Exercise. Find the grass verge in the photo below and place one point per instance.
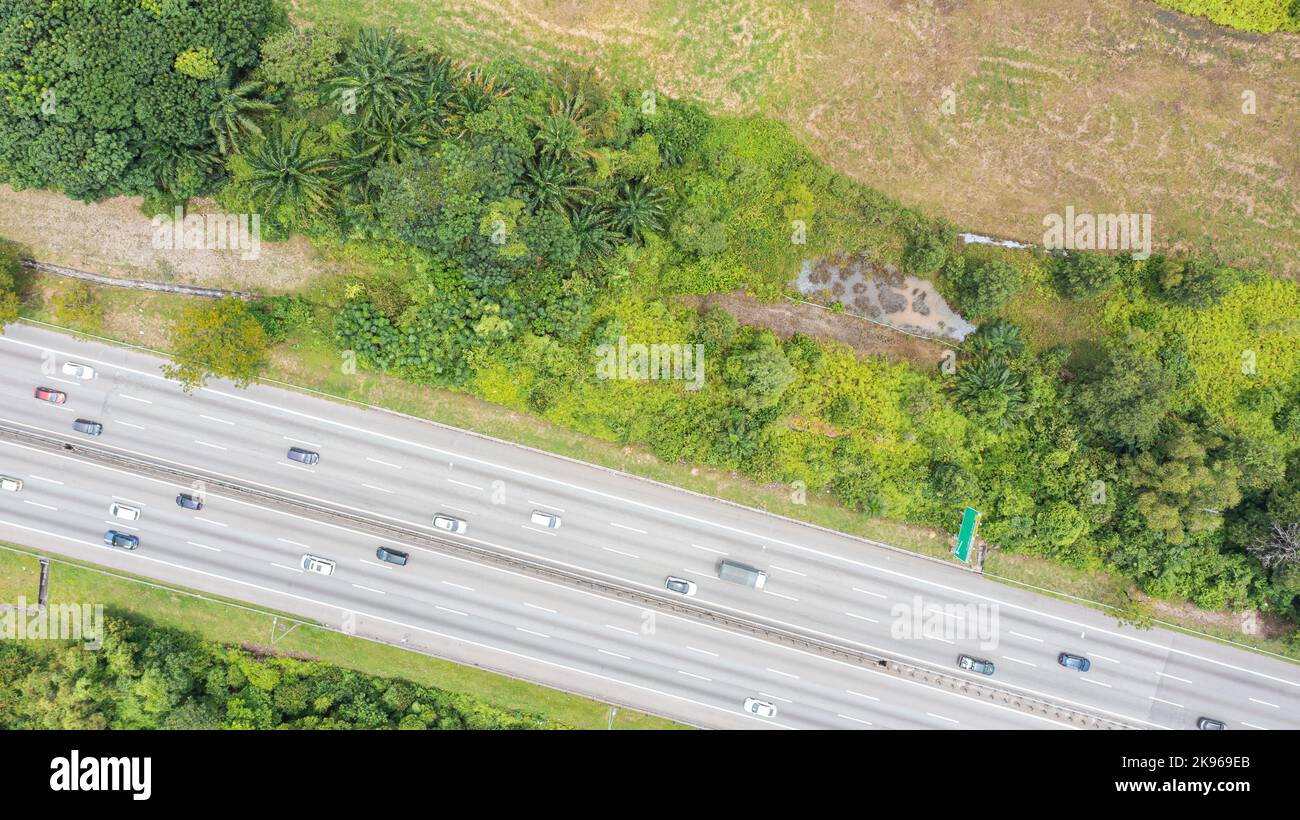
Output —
(232, 622)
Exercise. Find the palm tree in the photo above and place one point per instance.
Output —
(378, 76)
(474, 93)
(352, 169)
(167, 163)
(998, 339)
(550, 185)
(391, 138)
(439, 88)
(640, 208)
(575, 118)
(284, 171)
(593, 231)
(990, 390)
(234, 115)
(560, 136)
(582, 98)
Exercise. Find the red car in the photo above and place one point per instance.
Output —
(52, 396)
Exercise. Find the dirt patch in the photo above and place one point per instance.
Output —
(786, 318)
(114, 238)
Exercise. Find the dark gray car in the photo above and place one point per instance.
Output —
(392, 556)
(303, 456)
(90, 428)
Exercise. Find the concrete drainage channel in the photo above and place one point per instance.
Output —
(403, 535)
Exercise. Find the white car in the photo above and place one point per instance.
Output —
(80, 371)
(320, 566)
(681, 585)
(446, 522)
(124, 512)
(10, 484)
(760, 708)
(544, 519)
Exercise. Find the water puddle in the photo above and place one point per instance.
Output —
(882, 294)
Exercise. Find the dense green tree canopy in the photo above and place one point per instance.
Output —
(87, 88)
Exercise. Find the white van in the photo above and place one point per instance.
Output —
(550, 521)
(124, 512)
(10, 484)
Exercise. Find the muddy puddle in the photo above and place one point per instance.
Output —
(881, 293)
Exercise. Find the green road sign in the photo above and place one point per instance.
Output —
(970, 524)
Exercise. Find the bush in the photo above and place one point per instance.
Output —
(985, 288)
(76, 304)
(1086, 273)
(199, 63)
(1196, 283)
(279, 315)
(9, 301)
(925, 254)
(1264, 16)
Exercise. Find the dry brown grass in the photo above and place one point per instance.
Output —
(1107, 105)
(115, 238)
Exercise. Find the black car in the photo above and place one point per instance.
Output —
(392, 556)
(303, 456)
(189, 502)
(90, 428)
(975, 664)
(1209, 723)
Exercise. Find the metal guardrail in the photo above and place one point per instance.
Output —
(404, 535)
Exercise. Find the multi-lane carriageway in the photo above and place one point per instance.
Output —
(616, 527)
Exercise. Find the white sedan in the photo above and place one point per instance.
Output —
(760, 708)
(320, 566)
(446, 522)
(80, 371)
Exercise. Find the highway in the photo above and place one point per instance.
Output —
(615, 526)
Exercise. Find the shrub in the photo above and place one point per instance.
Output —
(199, 63)
(1086, 273)
(985, 288)
(925, 254)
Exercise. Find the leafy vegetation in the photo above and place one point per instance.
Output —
(150, 677)
(222, 339)
(522, 221)
(1264, 16)
(113, 97)
(9, 270)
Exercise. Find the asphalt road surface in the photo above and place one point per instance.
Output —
(614, 526)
